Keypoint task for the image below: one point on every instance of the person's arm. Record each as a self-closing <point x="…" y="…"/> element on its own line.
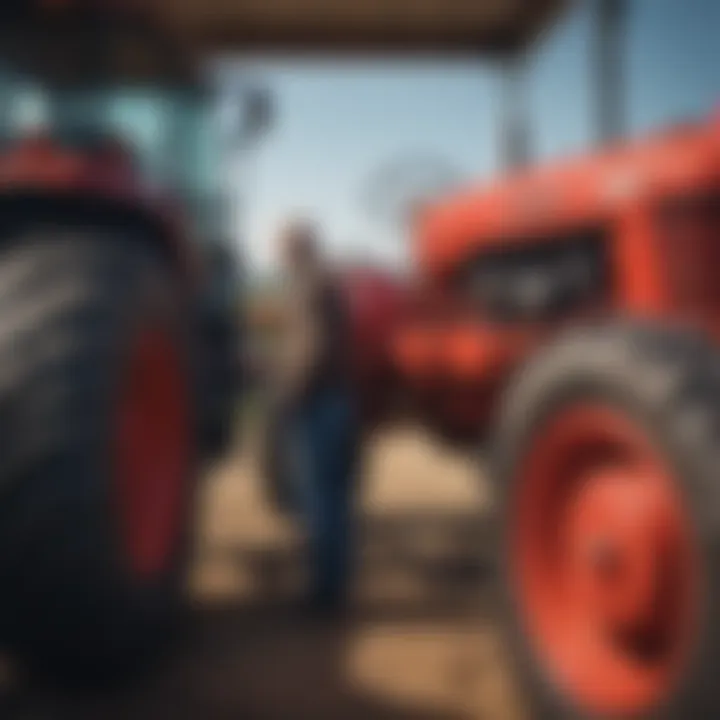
<point x="303" y="344"/>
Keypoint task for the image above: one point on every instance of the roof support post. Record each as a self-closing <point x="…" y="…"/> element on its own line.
<point x="514" y="125"/>
<point x="611" y="25"/>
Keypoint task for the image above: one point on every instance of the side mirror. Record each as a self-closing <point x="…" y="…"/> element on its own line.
<point x="258" y="111"/>
<point x="248" y="114"/>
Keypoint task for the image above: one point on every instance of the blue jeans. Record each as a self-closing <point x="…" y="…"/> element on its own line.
<point x="326" y="441"/>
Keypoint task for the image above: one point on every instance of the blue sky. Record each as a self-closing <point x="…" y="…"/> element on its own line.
<point x="338" y="122"/>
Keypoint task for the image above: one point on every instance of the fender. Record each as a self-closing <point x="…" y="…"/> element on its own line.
<point x="43" y="182"/>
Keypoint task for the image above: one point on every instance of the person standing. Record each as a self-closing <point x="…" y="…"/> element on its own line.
<point x="313" y="387"/>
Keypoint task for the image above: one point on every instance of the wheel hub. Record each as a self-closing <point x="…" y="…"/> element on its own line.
<point x="153" y="453"/>
<point x="619" y="550"/>
<point x="604" y="560"/>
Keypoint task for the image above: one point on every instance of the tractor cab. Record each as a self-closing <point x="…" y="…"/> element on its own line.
<point x="109" y="122"/>
<point x="159" y="132"/>
<point x="103" y="102"/>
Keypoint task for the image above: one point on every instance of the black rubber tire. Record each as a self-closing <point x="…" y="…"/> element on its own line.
<point x="70" y="307"/>
<point x="668" y="381"/>
<point x="218" y="438"/>
<point x="221" y="382"/>
<point x="221" y="333"/>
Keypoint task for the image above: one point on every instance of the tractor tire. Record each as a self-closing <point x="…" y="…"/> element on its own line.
<point x="606" y="464"/>
<point x="221" y="381"/>
<point x="98" y="465"/>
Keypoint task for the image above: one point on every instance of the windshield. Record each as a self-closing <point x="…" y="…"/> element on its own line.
<point x="172" y="134"/>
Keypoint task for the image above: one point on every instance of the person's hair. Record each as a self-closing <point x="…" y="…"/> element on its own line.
<point x="300" y="236"/>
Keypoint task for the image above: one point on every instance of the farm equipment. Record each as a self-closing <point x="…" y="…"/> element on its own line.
<point x="575" y="327"/>
<point x="568" y="313"/>
<point x="567" y="317"/>
<point x="119" y="340"/>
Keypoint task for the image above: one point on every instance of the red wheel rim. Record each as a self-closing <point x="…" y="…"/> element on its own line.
<point x="603" y="561"/>
<point x="152" y="453"/>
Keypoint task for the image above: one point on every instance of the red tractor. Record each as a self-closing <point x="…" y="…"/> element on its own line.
<point x="119" y="339"/>
<point x="568" y="319"/>
<point x="569" y="314"/>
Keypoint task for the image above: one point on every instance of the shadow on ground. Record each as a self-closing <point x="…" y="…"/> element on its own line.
<point x="261" y="657"/>
<point x="415" y="566"/>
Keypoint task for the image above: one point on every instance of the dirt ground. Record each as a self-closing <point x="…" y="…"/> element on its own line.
<point x="418" y="644"/>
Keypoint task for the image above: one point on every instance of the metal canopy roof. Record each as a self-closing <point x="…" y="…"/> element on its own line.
<point x="78" y="40"/>
<point x="357" y="26"/>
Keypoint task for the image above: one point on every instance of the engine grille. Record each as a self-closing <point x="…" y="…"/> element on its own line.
<point x="539" y="281"/>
